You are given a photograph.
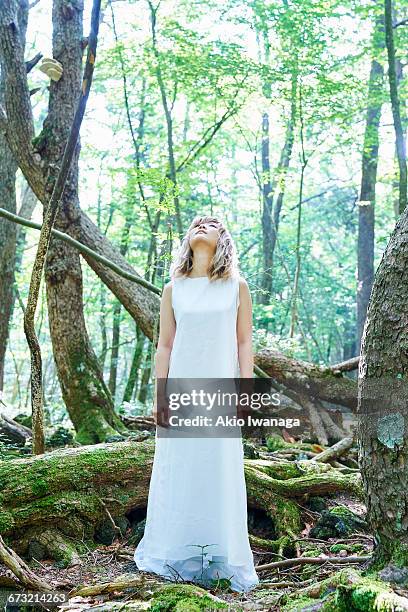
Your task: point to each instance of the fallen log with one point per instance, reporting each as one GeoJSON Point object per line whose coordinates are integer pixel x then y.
{"type": "Point", "coordinates": [334, 451]}
{"type": "Point", "coordinates": [321, 382]}
{"type": "Point", "coordinates": [346, 366]}
{"type": "Point", "coordinates": [75, 490]}
{"type": "Point", "coordinates": [13, 431]}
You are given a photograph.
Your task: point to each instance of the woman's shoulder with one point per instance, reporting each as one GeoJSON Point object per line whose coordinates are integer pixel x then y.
{"type": "Point", "coordinates": [170, 284]}
{"type": "Point", "coordinates": [241, 280]}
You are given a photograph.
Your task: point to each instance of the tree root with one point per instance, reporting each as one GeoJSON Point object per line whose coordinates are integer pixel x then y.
{"type": "Point", "coordinates": [311, 560]}
{"type": "Point", "coordinates": [21, 570]}
{"type": "Point", "coordinates": [50, 544]}
{"type": "Point", "coordinates": [348, 591]}
{"type": "Point", "coordinates": [74, 490]}
{"type": "Point", "coordinates": [154, 591]}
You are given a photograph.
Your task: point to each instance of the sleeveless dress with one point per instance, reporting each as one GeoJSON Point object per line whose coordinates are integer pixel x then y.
{"type": "Point", "coordinates": [196, 524]}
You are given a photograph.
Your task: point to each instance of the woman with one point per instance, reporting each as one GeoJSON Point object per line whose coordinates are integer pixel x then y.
{"type": "Point", "coordinates": [196, 524]}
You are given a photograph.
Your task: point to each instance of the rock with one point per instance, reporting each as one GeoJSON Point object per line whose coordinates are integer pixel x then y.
{"type": "Point", "coordinates": [392, 573]}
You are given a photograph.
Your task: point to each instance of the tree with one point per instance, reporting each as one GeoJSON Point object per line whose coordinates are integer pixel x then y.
{"type": "Point", "coordinates": [366, 209]}
{"type": "Point", "coordinates": [8, 231]}
{"type": "Point", "coordinates": [395, 105]}
{"type": "Point", "coordinates": [382, 402]}
{"type": "Point", "coordinates": [87, 399]}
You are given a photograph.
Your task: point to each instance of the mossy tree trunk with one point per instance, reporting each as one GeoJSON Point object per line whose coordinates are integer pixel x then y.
{"type": "Point", "coordinates": [383, 401]}
{"type": "Point", "coordinates": [86, 396]}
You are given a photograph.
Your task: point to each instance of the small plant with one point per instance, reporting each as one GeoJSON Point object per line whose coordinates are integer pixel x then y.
{"type": "Point", "coordinates": [207, 581]}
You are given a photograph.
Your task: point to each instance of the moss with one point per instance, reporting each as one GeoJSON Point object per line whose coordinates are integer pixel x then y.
{"type": "Point", "coordinates": [283, 470]}
{"type": "Point", "coordinates": [342, 511]}
{"type": "Point", "coordinates": [311, 552]}
{"type": "Point", "coordinates": [187, 605]}
{"type": "Point", "coordinates": [90, 407]}
{"type": "Point", "coordinates": [337, 522]}
{"type": "Point", "coordinates": [355, 548]}
{"type": "Point", "coordinates": [40, 141]}
{"type": "Point", "coordinates": [347, 591]}
{"type": "Point", "coordinates": [317, 504]}
{"type": "Point", "coordinates": [7, 522]}
{"type": "Point", "coordinates": [60, 437]}
{"type": "Point", "coordinates": [389, 551]}
{"type": "Point", "coordinates": [270, 545]}
{"type": "Point", "coordinates": [308, 570]}
{"type": "Point", "coordinates": [362, 598]}
{"type": "Point", "coordinates": [275, 442]}
{"type": "Point", "coordinates": [286, 516]}
{"type": "Point", "coordinates": [305, 477]}
{"type": "Point", "coordinates": [24, 419]}
{"type": "Point", "coordinates": [299, 604]}
{"type": "Point", "coordinates": [39, 487]}
{"type": "Point", "coordinates": [184, 598]}
{"type": "Point", "coordinates": [336, 548]}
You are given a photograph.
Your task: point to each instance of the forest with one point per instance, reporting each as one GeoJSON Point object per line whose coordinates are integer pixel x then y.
{"type": "Point", "coordinates": [120, 122]}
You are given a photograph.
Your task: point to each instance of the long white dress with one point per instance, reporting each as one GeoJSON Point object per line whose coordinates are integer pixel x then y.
{"type": "Point", "coordinates": [197, 493]}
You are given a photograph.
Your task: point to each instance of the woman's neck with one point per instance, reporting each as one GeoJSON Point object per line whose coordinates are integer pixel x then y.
{"type": "Point", "coordinates": [201, 262]}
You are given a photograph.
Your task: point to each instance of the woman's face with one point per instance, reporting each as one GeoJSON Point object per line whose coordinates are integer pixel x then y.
{"type": "Point", "coordinates": [206, 232]}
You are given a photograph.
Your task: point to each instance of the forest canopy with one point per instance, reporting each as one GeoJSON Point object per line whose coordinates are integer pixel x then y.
{"type": "Point", "coordinates": [220, 78]}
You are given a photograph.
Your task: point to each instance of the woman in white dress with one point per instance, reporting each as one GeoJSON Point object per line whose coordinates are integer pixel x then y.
{"type": "Point", "coordinates": [196, 524]}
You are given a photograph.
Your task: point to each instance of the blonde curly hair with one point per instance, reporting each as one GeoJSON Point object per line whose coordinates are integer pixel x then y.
{"type": "Point", "coordinates": [224, 263]}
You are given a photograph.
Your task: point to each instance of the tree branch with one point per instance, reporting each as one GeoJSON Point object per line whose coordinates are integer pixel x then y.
{"type": "Point", "coordinates": [84, 250]}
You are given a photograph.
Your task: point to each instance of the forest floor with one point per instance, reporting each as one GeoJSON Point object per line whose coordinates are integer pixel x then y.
{"type": "Point", "coordinates": [333, 533]}
{"type": "Point", "coordinates": [105, 563]}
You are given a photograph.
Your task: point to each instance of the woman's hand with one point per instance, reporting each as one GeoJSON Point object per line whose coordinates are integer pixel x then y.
{"type": "Point", "coordinates": [161, 407]}
{"type": "Point", "coordinates": [162, 359]}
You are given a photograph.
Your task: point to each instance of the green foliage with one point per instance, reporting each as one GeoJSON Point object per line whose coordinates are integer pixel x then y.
{"type": "Point", "coordinates": [275, 442]}
{"type": "Point", "coordinates": [222, 66]}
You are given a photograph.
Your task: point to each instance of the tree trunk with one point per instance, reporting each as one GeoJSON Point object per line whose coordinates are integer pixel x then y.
{"type": "Point", "coordinates": [142, 395]}
{"type": "Point", "coordinates": [284, 162]}
{"type": "Point", "coordinates": [117, 312]}
{"type": "Point", "coordinates": [294, 315]}
{"type": "Point", "coordinates": [399, 69]}
{"type": "Point", "coordinates": [272, 205]}
{"type": "Point", "coordinates": [366, 209]}
{"type": "Point", "coordinates": [395, 105]}
{"type": "Point", "coordinates": [172, 171]}
{"type": "Point", "coordinates": [113, 371]}
{"type": "Point", "coordinates": [8, 231]}
{"type": "Point", "coordinates": [90, 399]}
{"type": "Point", "coordinates": [382, 401]}
{"type": "Point", "coordinates": [8, 235]}
{"type": "Point", "coordinates": [134, 368]}
{"type": "Point", "coordinates": [267, 203]}
{"type": "Point", "coordinates": [87, 398]}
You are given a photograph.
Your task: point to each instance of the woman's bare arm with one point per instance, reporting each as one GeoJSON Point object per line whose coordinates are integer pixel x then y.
{"type": "Point", "coordinates": [244, 331]}
{"type": "Point", "coordinates": [165, 341]}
